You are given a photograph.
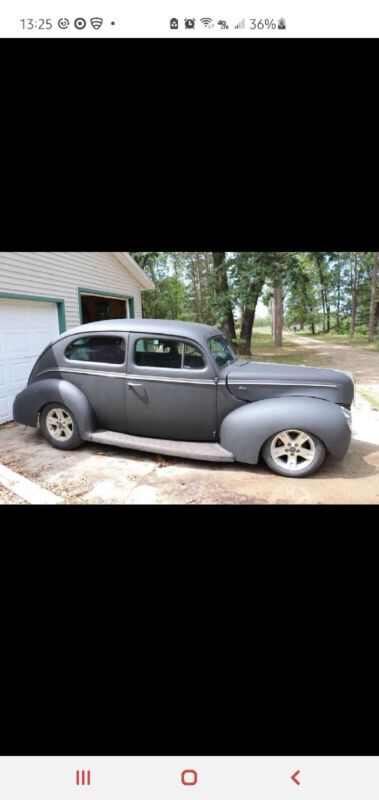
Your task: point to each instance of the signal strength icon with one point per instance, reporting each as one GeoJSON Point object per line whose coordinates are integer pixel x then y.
{"type": "Point", "coordinates": [240, 24]}
{"type": "Point", "coordinates": [207, 22]}
{"type": "Point", "coordinates": [96, 22]}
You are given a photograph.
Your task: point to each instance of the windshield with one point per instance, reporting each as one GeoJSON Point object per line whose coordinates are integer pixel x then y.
{"type": "Point", "coordinates": [221, 351]}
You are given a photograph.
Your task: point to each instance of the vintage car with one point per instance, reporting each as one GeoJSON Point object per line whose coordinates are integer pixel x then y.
{"type": "Point", "coordinates": [177, 388]}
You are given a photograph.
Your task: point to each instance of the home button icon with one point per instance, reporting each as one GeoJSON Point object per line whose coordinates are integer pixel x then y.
{"type": "Point", "coordinates": [189, 777]}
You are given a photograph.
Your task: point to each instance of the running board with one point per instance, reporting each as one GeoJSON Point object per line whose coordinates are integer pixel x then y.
{"type": "Point", "coordinates": [201, 451]}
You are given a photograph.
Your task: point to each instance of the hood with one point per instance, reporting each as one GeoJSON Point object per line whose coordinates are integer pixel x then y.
{"type": "Point", "coordinates": [254, 380]}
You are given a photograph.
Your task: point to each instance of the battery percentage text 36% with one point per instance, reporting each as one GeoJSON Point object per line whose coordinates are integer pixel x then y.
{"type": "Point", "coordinates": [262, 24]}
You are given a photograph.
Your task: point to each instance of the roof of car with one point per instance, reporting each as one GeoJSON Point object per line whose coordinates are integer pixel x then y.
{"type": "Point", "coordinates": [191, 330]}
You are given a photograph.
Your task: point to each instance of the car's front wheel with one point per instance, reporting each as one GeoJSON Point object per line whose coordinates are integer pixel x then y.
{"type": "Point", "coordinates": [293, 453]}
{"type": "Point", "coordinates": [59, 427]}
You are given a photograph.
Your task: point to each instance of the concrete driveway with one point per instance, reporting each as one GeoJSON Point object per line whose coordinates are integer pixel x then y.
{"type": "Point", "coordinates": [98, 475]}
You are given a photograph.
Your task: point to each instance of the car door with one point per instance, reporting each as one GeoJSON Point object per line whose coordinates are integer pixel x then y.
{"type": "Point", "coordinates": [96, 364]}
{"type": "Point", "coordinates": [171, 389]}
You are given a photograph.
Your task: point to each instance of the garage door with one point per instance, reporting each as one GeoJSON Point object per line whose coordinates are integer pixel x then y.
{"type": "Point", "coordinates": [26, 327]}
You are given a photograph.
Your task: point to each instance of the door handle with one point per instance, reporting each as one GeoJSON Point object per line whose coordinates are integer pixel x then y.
{"type": "Point", "coordinates": [132, 385]}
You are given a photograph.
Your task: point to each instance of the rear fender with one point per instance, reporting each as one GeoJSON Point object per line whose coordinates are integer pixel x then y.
{"type": "Point", "coordinates": [35, 396]}
{"type": "Point", "coordinates": [245, 430]}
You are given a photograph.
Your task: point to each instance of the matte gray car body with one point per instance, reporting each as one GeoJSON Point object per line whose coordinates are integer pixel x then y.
{"type": "Point", "coordinates": [234, 408]}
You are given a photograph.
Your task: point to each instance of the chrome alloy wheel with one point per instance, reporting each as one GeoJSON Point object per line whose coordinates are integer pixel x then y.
{"type": "Point", "coordinates": [293, 450]}
{"type": "Point", "coordinates": [59, 424]}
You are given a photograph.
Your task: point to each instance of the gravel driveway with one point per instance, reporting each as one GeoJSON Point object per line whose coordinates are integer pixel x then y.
{"type": "Point", "coordinates": [98, 475]}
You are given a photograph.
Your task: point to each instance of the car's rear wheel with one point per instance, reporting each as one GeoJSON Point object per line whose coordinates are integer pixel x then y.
{"type": "Point", "coordinates": [293, 453]}
{"type": "Point", "coordinates": [59, 426]}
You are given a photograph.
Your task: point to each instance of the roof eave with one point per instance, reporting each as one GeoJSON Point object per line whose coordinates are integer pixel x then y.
{"type": "Point", "coordinates": [130, 264]}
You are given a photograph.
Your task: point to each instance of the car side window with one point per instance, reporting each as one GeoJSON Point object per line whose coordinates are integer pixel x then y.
{"type": "Point", "coordinates": [167, 353]}
{"type": "Point", "coordinates": [192, 358]}
{"type": "Point", "coordinates": [100, 349]}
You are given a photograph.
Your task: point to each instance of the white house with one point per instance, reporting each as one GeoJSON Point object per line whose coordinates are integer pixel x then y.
{"type": "Point", "coordinates": [44, 294]}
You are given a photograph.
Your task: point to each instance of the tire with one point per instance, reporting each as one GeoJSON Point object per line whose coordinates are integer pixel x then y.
{"type": "Point", "coordinates": [59, 426]}
{"type": "Point", "coordinates": [293, 453]}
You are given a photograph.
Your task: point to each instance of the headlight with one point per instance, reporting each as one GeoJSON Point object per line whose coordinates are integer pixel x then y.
{"type": "Point", "coordinates": [347, 414]}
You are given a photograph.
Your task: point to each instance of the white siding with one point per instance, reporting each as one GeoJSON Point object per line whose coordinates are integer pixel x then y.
{"type": "Point", "coordinates": [60, 275]}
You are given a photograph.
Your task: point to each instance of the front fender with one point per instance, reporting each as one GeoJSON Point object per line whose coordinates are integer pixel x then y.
{"type": "Point", "coordinates": [31, 400]}
{"type": "Point", "coordinates": [245, 430]}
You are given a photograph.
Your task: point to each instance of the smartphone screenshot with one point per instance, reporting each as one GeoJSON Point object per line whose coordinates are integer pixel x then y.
{"type": "Point", "coordinates": [187, 433]}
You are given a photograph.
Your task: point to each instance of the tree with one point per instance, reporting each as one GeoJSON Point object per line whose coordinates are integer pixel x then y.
{"type": "Point", "coordinates": [284, 270]}
{"type": "Point", "coordinates": [277, 315]}
{"type": "Point", "coordinates": [169, 299]}
{"type": "Point", "coordinates": [373, 303]}
{"type": "Point", "coordinates": [301, 300]}
{"type": "Point", "coordinates": [320, 290]}
{"type": "Point", "coordinates": [223, 301]}
{"type": "Point", "coordinates": [247, 277]}
{"type": "Point", "coordinates": [354, 291]}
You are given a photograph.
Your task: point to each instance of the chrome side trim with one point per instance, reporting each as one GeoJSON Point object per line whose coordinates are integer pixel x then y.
{"type": "Point", "coordinates": [159, 379]}
{"type": "Point", "coordinates": [281, 383]}
{"type": "Point", "coordinates": [84, 372]}
{"type": "Point", "coordinates": [128, 376]}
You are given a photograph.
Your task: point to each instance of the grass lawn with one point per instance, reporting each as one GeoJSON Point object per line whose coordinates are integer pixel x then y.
{"type": "Point", "coordinates": [263, 349]}
{"type": "Point", "coordinates": [368, 396]}
{"type": "Point", "coordinates": [262, 339]}
{"type": "Point", "coordinates": [294, 352]}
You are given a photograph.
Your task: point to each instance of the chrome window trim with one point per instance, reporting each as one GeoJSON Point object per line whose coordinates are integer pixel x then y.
{"type": "Point", "coordinates": [167, 338]}
{"type": "Point", "coordinates": [92, 336]}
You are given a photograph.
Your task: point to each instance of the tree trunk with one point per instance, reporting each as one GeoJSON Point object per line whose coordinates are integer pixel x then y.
{"type": "Point", "coordinates": [278, 315]}
{"type": "Point", "coordinates": [353, 275]}
{"type": "Point", "coordinates": [323, 310]}
{"type": "Point", "coordinates": [246, 331]}
{"type": "Point", "coordinates": [324, 297]}
{"type": "Point", "coordinates": [338, 301]}
{"type": "Point", "coordinates": [327, 316]}
{"type": "Point", "coordinates": [248, 316]}
{"type": "Point", "coordinates": [373, 303]}
{"type": "Point", "coordinates": [222, 290]}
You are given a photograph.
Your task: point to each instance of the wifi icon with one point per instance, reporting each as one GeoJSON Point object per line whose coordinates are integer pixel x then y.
{"type": "Point", "coordinates": [206, 22]}
{"type": "Point", "coordinates": [96, 22]}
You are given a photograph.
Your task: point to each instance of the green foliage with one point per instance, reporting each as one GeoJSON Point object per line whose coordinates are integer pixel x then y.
{"type": "Point", "coordinates": [318, 288]}
{"type": "Point", "coordinates": [238, 342]}
{"type": "Point", "coordinates": [168, 301]}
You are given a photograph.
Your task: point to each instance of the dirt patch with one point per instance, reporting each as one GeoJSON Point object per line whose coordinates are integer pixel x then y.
{"type": "Point", "coordinates": [364, 364]}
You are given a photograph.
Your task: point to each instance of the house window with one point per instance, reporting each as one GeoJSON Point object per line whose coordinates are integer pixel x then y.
{"type": "Point", "coordinates": [101, 349]}
{"type": "Point", "coordinates": [94, 308]}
